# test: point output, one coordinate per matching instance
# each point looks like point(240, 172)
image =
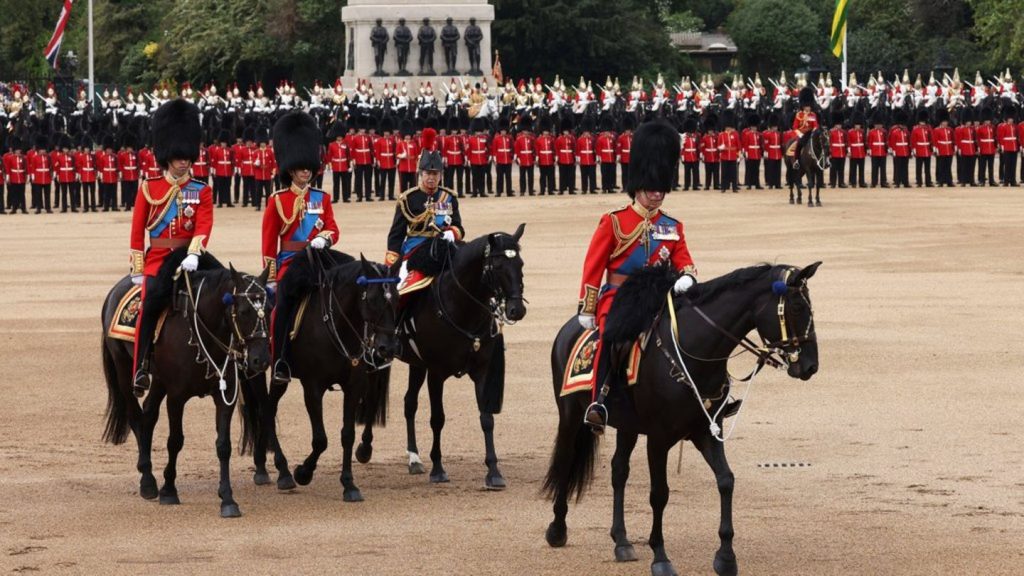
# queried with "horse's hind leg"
point(314, 399)
point(817, 194)
point(714, 454)
point(175, 441)
point(285, 480)
point(143, 422)
point(435, 386)
point(365, 449)
point(260, 477)
point(228, 506)
point(417, 375)
point(350, 492)
point(624, 444)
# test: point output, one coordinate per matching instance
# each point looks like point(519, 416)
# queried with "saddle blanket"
point(579, 371)
point(126, 315)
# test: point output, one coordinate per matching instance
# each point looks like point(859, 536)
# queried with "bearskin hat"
point(15, 143)
point(807, 96)
point(386, 124)
point(477, 125)
point(249, 134)
point(753, 120)
point(405, 128)
point(727, 119)
point(65, 142)
point(176, 132)
point(504, 124)
point(566, 124)
point(690, 125)
point(607, 124)
point(653, 157)
point(941, 115)
point(544, 124)
point(838, 118)
point(129, 141)
point(774, 120)
point(338, 130)
point(986, 114)
point(710, 122)
point(42, 142)
point(857, 119)
point(296, 144)
point(922, 116)
point(262, 136)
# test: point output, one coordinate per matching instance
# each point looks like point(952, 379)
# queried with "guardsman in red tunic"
point(921, 145)
point(16, 170)
point(173, 211)
point(360, 146)
point(606, 155)
point(243, 162)
point(565, 154)
point(407, 150)
point(201, 167)
point(340, 160)
point(239, 154)
point(690, 155)
point(502, 152)
point(944, 149)
point(147, 163)
point(837, 147)
point(525, 149)
point(1006, 135)
point(296, 217)
point(622, 146)
point(804, 122)
point(586, 156)
point(878, 149)
point(729, 150)
point(64, 168)
point(899, 143)
point(753, 148)
point(40, 168)
point(630, 239)
point(264, 167)
point(546, 157)
point(709, 151)
point(128, 167)
point(220, 164)
point(453, 153)
point(384, 156)
point(772, 140)
point(986, 138)
point(478, 150)
point(857, 140)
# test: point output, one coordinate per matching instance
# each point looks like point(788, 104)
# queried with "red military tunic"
point(106, 163)
point(1006, 134)
point(878, 146)
point(147, 164)
point(292, 219)
point(264, 164)
point(921, 141)
point(361, 148)
point(1020, 134)
point(709, 148)
point(837, 143)
point(452, 150)
point(128, 166)
point(64, 167)
point(943, 137)
point(171, 214)
point(408, 155)
point(545, 150)
point(565, 149)
point(337, 156)
point(501, 149)
point(606, 148)
point(478, 150)
point(220, 161)
point(899, 141)
point(690, 149)
point(243, 160)
point(986, 136)
point(772, 144)
point(384, 152)
point(40, 168)
point(201, 167)
point(586, 150)
point(525, 150)
point(85, 165)
point(804, 122)
point(963, 136)
point(627, 240)
point(857, 140)
point(751, 140)
point(16, 168)
point(623, 145)
point(729, 146)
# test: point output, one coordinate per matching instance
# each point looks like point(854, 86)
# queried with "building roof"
point(702, 42)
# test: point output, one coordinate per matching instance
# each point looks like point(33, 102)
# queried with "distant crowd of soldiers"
point(75, 157)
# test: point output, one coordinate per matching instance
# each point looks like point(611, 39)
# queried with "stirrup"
point(282, 373)
point(141, 383)
point(596, 418)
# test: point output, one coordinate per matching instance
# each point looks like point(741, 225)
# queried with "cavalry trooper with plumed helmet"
point(629, 239)
point(173, 211)
point(296, 217)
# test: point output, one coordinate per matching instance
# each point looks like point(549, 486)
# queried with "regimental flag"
point(839, 27)
point(496, 70)
point(53, 46)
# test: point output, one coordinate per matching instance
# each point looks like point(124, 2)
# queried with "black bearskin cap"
point(249, 134)
point(337, 129)
point(807, 96)
point(545, 124)
point(653, 157)
point(296, 143)
point(262, 136)
point(176, 132)
point(922, 116)
point(690, 125)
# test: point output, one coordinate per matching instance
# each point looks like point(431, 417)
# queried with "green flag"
point(839, 27)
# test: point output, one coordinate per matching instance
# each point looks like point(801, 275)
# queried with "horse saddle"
point(416, 280)
point(126, 316)
point(579, 370)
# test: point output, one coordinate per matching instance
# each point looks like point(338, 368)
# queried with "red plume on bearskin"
point(429, 138)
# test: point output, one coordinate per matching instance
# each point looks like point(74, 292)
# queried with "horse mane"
point(704, 291)
point(474, 249)
point(302, 276)
point(637, 302)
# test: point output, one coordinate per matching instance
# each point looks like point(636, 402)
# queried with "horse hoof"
point(625, 553)
point(810, 204)
point(147, 489)
point(353, 495)
point(169, 500)
point(286, 482)
point(417, 468)
point(663, 569)
point(818, 202)
point(303, 475)
point(495, 483)
point(439, 477)
point(364, 452)
point(725, 566)
point(230, 511)
point(261, 478)
point(556, 535)
point(791, 201)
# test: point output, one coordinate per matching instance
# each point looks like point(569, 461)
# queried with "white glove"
point(318, 243)
point(190, 263)
point(448, 235)
point(587, 321)
point(271, 285)
point(137, 279)
point(683, 284)
point(403, 271)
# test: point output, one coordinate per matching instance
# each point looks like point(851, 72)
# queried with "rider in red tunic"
point(296, 217)
point(804, 122)
point(173, 211)
point(630, 239)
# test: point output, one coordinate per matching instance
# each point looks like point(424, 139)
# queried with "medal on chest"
point(664, 232)
point(314, 208)
point(663, 253)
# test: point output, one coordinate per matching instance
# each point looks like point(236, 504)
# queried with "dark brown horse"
point(682, 388)
point(346, 338)
point(213, 337)
point(814, 160)
point(454, 328)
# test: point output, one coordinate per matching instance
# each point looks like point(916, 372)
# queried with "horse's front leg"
point(625, 442)
point(435, 387)
point(350, 492)
point(657, 461)
point(175, 441)
point(493, 480)
point(228, 506)
point(713, 452)
point(313, 393)
point(285, 480)
point(417, 375)
point(364, 452)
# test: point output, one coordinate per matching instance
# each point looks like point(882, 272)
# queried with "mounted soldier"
point(804, 122)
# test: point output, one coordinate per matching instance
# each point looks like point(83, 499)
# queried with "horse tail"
point(572, 461)
point(116, 429)
point(373, 409)
point(249, 410)
point(492, 394)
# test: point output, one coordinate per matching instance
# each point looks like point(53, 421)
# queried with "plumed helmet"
point(653, 157)
point(806, 96)
point(430, 159)
point(176, 132)
point(296, 143)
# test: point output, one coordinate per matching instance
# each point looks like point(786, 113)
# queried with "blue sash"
point(190, 193)
point(442, 219)
point(305, 227)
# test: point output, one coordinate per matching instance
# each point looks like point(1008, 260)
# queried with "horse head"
point(378, 306)
point(785, 319)
point(248, 305)
point(503, 272)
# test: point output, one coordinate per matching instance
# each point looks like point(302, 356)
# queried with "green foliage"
point(684, 21)
point(772, 34)
point(997, 24)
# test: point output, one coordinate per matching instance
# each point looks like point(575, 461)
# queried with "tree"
point(770, 35)
point(996, 24)
point(24, 31)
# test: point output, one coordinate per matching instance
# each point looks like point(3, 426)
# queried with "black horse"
point(347, 337)
point(683, 386)
point(814, 160)
point(454, 328)
point(213, 336)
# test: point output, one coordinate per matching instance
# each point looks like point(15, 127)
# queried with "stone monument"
point(394, 48)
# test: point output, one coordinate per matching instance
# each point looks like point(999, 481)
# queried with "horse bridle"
point(820, 157)
point(500, 300)
point(787, 336)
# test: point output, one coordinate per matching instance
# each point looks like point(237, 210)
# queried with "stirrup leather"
point(282, 373)
point(596, 418)
point(142, 382)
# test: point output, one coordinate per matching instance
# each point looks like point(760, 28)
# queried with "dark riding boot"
point(282, 326)
point(597, 413)
point(144, 338)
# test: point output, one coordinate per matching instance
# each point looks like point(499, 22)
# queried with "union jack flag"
point(53, 46)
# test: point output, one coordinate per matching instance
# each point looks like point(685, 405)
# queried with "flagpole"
point(846, 31)
point(92, 88)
